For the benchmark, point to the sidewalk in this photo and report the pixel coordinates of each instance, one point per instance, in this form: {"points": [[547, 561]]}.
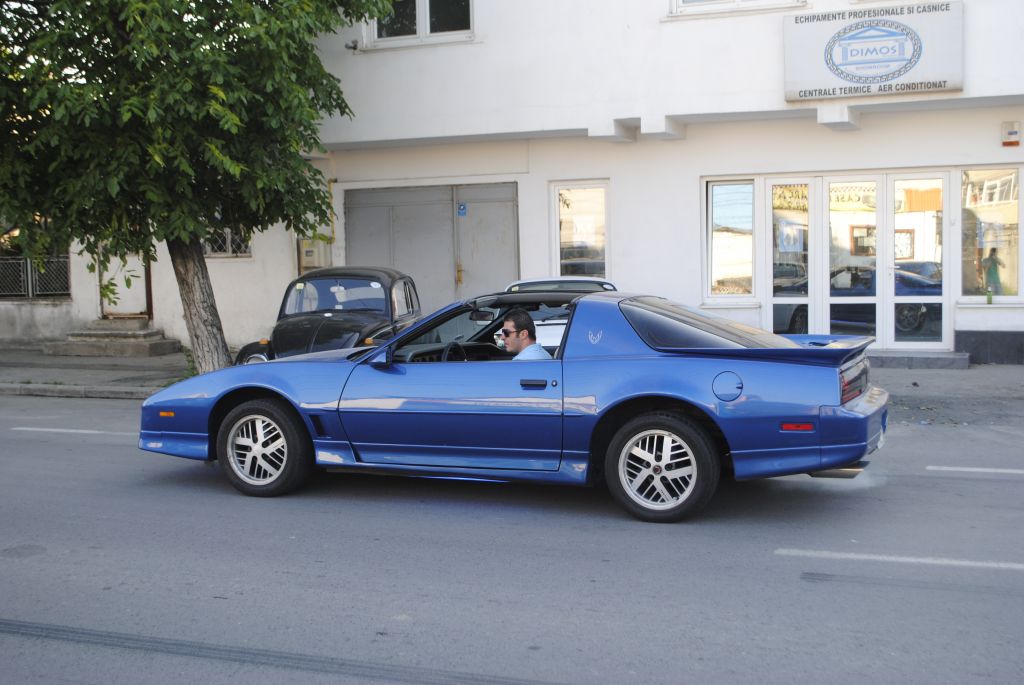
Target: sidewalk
{"points": [[27, 371]]}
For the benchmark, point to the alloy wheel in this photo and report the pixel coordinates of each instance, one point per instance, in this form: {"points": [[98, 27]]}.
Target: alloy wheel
{"points": [[257, 448], [657, 469]]}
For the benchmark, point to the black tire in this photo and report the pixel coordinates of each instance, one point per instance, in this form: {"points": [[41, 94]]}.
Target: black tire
{"points": [[646, 488], [287, 452]]}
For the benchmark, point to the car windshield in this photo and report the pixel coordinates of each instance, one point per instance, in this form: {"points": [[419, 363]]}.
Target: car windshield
{"points": [[665, 324], [334, 294]]}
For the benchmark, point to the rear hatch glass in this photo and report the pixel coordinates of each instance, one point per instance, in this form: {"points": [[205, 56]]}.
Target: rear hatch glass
{"points": [[665, 324]]}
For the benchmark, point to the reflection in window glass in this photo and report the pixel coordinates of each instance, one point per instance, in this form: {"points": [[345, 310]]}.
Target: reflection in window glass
{"points": [[789, 241], [449, 15], [852, 319], [917, 246], [852, 222], [789, 318], [402, 21], [581, 231], [918, 321], [990, 231], [731, 220]]}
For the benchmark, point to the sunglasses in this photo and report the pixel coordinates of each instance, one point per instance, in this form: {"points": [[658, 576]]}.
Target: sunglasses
{"points": [[507, 333]]}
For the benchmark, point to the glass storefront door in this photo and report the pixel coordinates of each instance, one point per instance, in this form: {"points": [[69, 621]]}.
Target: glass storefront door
{"points": [[914, 259], [859, 255], [852, 218]]}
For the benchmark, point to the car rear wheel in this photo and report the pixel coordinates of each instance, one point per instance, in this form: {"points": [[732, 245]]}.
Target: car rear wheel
{"points": [[264, 449], [662, 467]]}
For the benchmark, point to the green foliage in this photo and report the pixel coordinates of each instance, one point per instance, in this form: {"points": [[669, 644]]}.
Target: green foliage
{"points": [[129, 122]]}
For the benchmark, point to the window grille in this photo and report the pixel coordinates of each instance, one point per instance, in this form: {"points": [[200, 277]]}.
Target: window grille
{"points": [[227, 243], [19, 277]]}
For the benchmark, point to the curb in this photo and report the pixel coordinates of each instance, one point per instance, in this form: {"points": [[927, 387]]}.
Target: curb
{"points": [[109, 392]]}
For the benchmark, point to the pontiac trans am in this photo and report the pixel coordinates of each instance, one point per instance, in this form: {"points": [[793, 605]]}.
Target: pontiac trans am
{"points": [[656, 399]]}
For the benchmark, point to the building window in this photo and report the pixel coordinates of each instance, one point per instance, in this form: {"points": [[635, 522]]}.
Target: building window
{"points": [[682, 8], [227, 243], [581, 230], [414, 21], [731, 226], [22, 278], [991, 234]]}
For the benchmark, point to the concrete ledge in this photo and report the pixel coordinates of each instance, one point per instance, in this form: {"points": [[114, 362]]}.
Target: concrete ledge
{"points": [[108, 392], [892, 359], [112, 348]]}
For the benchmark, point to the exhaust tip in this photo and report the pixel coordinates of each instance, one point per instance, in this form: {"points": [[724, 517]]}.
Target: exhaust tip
{"points": [[848, 471]]}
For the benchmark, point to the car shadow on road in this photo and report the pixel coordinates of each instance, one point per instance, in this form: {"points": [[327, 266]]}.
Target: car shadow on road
{"points": [[777, 500]]}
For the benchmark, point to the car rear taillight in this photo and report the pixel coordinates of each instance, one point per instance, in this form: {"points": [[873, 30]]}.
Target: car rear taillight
{"points": [[853, 379]]}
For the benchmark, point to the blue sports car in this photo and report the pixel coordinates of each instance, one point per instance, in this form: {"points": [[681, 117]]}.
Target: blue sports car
{"points": [[655, 398]]}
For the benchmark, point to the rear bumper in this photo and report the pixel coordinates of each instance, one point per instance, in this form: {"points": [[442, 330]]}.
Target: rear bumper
{"points": [[855, 429], [848, 433]]}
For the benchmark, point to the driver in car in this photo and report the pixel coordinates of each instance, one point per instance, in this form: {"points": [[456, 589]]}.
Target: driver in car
{"points": [[521, 336]]}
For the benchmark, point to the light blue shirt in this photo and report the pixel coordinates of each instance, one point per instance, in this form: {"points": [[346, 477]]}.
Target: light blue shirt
{"points": [[534, 351]]}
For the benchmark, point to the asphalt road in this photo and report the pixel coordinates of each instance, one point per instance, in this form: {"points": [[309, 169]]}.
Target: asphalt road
{"points": [[121, 566]]}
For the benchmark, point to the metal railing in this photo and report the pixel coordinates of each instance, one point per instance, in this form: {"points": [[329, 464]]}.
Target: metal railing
{"points": [[19, 277]]}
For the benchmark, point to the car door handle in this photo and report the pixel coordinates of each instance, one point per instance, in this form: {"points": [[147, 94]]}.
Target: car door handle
{"points": [[533, 382]]}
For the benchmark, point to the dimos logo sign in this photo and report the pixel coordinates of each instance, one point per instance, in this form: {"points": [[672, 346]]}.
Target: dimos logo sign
{"points": [[873, 51]]}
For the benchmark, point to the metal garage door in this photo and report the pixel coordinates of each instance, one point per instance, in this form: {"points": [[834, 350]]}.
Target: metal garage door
{"points": [[455, 241]]}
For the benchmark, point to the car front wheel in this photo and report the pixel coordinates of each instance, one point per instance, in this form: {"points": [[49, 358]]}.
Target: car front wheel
{"points": [[662, 467], [264, 449]]}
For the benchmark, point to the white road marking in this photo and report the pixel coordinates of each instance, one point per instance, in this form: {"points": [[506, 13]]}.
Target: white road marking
{"points": [[975, 469], [930, 561], [68, 430]]}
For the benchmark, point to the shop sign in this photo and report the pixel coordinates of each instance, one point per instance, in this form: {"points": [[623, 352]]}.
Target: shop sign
{"points": [[901, 50]]}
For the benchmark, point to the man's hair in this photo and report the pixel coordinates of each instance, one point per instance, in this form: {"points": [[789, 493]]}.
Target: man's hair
{"points": [[522, 321]]}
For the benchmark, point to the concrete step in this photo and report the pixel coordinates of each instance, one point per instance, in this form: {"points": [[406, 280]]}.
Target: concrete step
{"points": [[111, 347], [120, 323], [88, 335], [900, 359]]}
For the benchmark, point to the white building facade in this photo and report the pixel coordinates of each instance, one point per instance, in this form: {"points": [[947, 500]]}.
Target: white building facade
{"points": [[844, 166]]}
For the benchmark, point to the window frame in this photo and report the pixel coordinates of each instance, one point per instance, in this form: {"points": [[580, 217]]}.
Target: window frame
{"points": [[981, 299], [757, 229], [423, 35], [687, 9], [556, 229]]}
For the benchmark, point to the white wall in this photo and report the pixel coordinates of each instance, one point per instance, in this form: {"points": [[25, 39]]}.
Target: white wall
{"points": [[536, 66], [654, 197], [31, 321], [248, 290]]}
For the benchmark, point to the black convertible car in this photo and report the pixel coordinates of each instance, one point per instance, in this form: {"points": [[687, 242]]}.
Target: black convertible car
{"points": [[335, 308]]}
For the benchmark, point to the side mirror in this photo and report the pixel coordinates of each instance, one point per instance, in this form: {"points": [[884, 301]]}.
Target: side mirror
{"points": [[382, 359], [481, 315]]}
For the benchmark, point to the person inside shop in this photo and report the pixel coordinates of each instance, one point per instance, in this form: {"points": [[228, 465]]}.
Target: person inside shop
{"points": [[991, 266]]}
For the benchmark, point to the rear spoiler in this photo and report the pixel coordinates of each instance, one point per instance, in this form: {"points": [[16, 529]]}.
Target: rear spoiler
{"points": [[817, 350]]}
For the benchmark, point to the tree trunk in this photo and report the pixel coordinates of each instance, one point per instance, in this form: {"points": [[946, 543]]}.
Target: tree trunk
{"points": [[209, 351]]}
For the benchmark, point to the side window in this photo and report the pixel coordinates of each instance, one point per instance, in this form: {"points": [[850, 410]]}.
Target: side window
{"points": [[464, 328], [423, 21], [730, 226], [991, 232], [582, 231], [414, 300], [399, 299]]}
